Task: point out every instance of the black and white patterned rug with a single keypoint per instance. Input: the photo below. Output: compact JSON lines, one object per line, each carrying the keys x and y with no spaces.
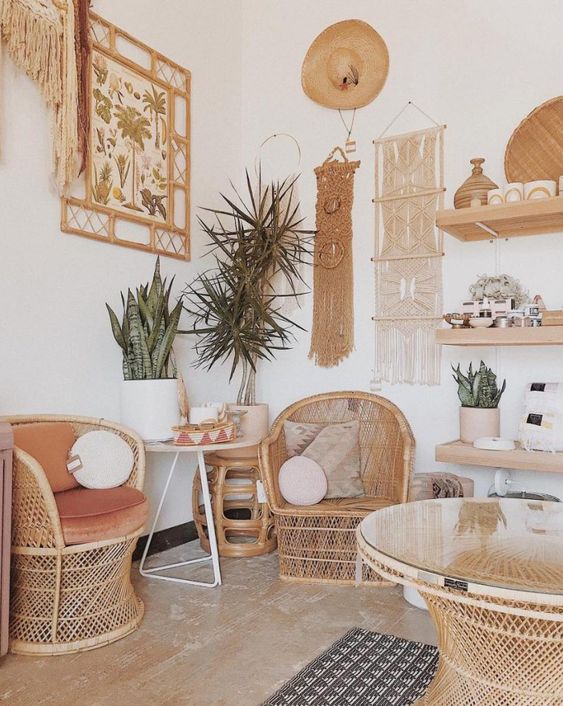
{"x":359,"y":669}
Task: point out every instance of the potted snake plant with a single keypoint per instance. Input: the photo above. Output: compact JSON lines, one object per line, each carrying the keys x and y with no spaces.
{"x":479,"y":394}
{"x":149,"y":394}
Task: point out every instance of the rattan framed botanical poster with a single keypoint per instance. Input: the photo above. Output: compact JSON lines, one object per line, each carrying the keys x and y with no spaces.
{"x":135,"y":190}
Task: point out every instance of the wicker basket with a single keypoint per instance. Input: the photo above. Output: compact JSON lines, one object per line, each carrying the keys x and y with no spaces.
{"x":67,"y":598}
{"x":535,"y":148}
{"x":204,"y":434}
{"x":317,"y":543}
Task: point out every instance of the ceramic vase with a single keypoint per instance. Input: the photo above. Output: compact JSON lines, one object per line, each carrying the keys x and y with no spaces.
{"x":254,"y":426}
{"x":475,"y":422}
{"x":150,"y":407}
{"x":476,"y":186}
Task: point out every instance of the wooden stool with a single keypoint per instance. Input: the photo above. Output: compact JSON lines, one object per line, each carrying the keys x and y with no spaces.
{"x":244,"y":526}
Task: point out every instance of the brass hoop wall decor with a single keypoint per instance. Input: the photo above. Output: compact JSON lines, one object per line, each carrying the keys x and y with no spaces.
{"x":332,"y":339}
{"x":136,"y":188}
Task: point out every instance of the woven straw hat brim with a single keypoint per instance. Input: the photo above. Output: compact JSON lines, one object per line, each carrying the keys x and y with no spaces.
{"x":360,"y":37}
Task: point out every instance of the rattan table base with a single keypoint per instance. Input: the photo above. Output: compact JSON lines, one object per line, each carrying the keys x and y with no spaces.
{"x":498,"y":645}
{"x":494,"y":659}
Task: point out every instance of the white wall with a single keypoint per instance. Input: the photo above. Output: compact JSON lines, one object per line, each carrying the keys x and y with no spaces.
{"x":477,"y":66}
{"x":58,"y":354}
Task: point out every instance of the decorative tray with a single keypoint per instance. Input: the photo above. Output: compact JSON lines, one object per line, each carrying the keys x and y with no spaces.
{"x":535,"y":149}
{"x":202,"y":434}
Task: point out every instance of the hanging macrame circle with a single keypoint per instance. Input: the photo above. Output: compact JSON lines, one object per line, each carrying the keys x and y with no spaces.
{"x":346,"y":66}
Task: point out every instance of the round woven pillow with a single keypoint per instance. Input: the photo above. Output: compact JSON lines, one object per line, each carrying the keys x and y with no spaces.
{"x":302,"y":481}
{"x":106,"y":460}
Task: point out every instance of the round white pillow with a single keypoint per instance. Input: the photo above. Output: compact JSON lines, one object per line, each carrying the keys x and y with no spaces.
{"x":106,"y":460}
{"x":302,"y":481}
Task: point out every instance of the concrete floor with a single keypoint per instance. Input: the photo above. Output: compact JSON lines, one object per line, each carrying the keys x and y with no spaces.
{"x":228,"y":646}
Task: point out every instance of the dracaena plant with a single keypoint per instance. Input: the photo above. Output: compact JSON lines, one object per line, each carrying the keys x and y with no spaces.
{"x":235,"y":308}
{"x":147,"y":330}
{"x":479,"y":388}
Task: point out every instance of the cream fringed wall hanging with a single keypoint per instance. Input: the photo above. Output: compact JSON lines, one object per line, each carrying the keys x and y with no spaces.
{"x":40,"y":38}
{"x":409,"y":187}
{"x":332,"y":338}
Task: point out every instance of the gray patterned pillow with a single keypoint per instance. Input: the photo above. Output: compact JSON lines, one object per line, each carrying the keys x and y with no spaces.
{"x":335,"y":447}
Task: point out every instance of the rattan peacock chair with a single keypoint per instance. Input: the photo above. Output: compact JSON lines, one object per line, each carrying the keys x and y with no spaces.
{"x":317,"y":543}
{"x":67,"y":598}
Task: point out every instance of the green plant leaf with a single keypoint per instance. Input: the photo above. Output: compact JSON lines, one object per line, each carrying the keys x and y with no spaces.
{"x":163,"y":351}
{"x":116,"y":329}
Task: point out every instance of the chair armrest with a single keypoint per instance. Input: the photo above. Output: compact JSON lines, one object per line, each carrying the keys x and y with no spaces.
{"x":272,"y":454}
{"x":35,"y":518}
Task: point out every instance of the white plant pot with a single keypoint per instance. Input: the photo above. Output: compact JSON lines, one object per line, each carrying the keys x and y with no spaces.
{"x":150,"y":407}
{"x":254,"y":426}
{"x":412,"y":596}
{"x":475,"y":422}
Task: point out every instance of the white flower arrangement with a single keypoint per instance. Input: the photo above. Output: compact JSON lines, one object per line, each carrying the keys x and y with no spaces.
{"x":499,"y":287}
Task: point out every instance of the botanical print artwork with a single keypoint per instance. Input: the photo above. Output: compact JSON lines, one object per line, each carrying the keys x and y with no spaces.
{"x":136,"y":187}
{"x":129,"y":141}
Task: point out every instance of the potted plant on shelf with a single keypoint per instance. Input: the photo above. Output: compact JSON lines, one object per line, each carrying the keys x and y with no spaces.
{"x":479,"y":395}
{"x":149,"y":395}
{"x":237,"y":306}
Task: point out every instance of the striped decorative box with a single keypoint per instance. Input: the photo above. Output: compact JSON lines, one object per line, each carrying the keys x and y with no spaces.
{"x":200,"y":435}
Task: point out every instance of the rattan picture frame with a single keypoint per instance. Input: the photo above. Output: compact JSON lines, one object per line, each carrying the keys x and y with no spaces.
{"x":135,"y":190}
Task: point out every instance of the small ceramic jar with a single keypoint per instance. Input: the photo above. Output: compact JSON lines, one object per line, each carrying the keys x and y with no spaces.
{"x":540,"y":189}
{"x":495,"y":197}
{"x":514,"y":191}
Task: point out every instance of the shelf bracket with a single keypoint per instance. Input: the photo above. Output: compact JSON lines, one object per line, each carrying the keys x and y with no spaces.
{"x":487,"y":229}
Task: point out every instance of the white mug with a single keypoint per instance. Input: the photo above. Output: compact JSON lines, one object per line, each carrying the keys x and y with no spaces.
{"x":540,"y":189}
{"x":200,"y":415}
{"x":495,"y":197}
{"x":561,"y":186}
{"x":514,"y":191}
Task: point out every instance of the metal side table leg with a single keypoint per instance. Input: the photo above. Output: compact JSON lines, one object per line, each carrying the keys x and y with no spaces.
{"x":209,"y":518}
{"x":214,"y":557}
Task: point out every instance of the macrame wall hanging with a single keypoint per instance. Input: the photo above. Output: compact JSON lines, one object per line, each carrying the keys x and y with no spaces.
{"x":43,"y":39}
{"x":409,"y":187}
{"x":332,"y":339}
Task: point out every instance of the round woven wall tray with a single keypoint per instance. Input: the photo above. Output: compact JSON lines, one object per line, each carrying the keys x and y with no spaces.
{"x":535,"y":149}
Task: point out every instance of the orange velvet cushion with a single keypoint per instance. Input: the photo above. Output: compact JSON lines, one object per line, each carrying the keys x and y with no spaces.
{"x":94,"y":515}
{"x":49,"y":444}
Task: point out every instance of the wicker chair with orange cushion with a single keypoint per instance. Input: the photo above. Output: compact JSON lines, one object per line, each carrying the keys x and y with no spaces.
{"x":71,"y":546}
{"x":317,"y":543}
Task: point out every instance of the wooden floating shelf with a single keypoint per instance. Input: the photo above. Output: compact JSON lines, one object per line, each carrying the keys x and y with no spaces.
{"x":507,"y":220}
{"x":514,"y":336}
{"x":519,"y":459}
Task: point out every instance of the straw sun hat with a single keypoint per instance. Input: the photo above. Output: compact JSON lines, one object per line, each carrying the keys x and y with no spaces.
{"x":346,"y":66}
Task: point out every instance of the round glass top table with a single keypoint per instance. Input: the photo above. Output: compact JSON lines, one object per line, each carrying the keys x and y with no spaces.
{"x":491,"y":573}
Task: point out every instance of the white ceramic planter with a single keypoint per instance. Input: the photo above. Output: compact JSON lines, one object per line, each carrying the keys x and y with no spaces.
{"x":255,"y":425}
{"x":475,"y":422}
{"x":412,"y":596}
{"x":150,"y":407}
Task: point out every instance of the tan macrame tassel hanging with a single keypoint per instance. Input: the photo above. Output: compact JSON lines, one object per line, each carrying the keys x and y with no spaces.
{"x":39,"y":36}
{"x":409,"y":187}
{"x":332,"y":339}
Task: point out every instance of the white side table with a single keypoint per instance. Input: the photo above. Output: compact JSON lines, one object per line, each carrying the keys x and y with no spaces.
{"x":199,"y":451}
